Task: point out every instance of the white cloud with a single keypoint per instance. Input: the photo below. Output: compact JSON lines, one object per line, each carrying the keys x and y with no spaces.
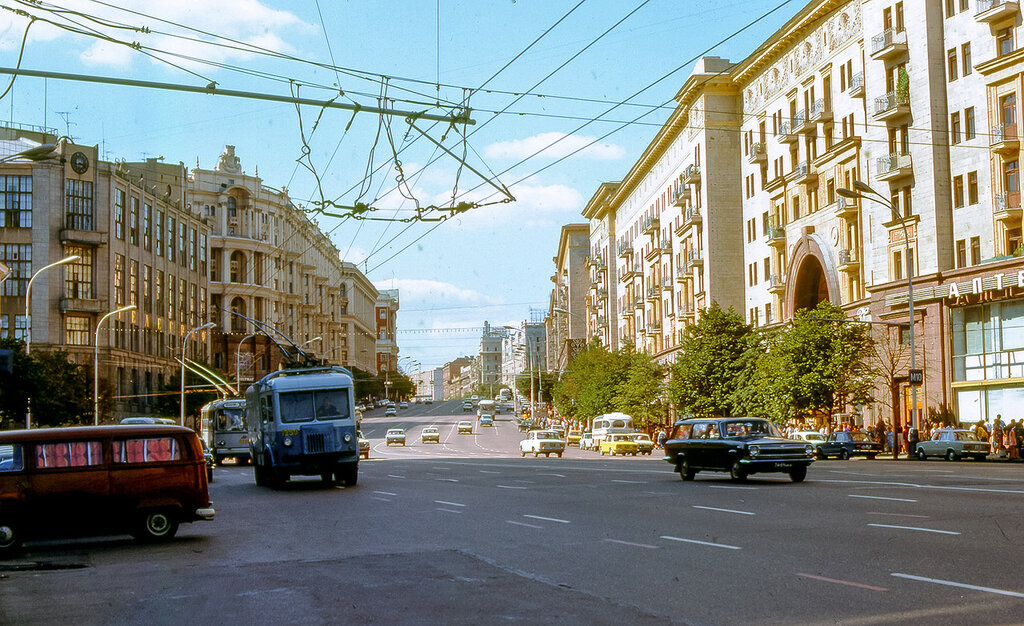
{"x":417,"y":290}
{"x":554,"y":145}
{"x":535,"y":206}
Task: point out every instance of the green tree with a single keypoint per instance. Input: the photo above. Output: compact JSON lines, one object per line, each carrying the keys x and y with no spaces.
{"x":38,"y":377}
{"x":17,"y":387}
{"x":712,"y":356}
{"x":640,"y":394}
{"x":592,"y":382}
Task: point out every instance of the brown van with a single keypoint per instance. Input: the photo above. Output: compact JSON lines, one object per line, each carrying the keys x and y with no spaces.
{"x":100,"y":480}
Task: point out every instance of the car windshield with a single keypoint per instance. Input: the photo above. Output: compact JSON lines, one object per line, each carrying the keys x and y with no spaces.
{"x":750,"y":428}
{"x":396,"y":432}
{"x":859,"y":437}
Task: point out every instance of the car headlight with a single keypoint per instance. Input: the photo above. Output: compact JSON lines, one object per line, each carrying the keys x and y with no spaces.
{"x":348,"y":437}
{"x":754,"y":450}
{"x":287,"y":442}
{"x":809,"y":450}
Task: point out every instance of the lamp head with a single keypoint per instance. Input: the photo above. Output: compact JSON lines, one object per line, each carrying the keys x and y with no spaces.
{"x":863,"y":187}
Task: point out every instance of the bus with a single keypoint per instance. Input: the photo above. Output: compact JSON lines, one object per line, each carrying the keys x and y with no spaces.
{"x":302,"y":422}
{"x":485,"y":407}
{"x":223,"y":428}
{"x":504,"y":395}
{"x":605,"y":425}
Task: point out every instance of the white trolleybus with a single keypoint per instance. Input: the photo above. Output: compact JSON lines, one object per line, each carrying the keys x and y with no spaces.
{"x":223,"y":424}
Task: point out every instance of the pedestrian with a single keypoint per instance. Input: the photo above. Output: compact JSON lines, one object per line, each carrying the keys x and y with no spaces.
{"x":1012,"y":442}
{"x":661,"y":438}
{"x":997,"y":435}
{"x":912,"y":439}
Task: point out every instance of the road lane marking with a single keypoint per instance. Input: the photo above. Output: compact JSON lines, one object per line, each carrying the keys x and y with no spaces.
{"x":924,"y":530}
{"x":711,"y":508}
{"x":630,"y":482}
{"x":447,"y":480}
{"x":882,"y":498}
{"x":523,"y":524}
{"x":548,"y":519}
{"x":731,"y":487}
{"x":489,"y":472}
{"x":448,"y":510}
{"x":547,"y":474}
{"x":630,"y":543}
{"x":509,"y":487}
{"x":950,"y":583}
{"x":919,"y":486}
{"x":701,"y":543}
{"x":898,"y":514}
{"x":386,"y":493}
{"x":842,"y":582}
{"x":448,"y":503}
{"x":393,"y":476}
{"x":853,"y":473}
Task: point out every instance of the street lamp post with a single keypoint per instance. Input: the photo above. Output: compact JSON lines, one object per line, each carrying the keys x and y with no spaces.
{"x":28,"y":297}
{"x":96,"y":363}
{"x":306,"y":343}
{"x":238,"y":369}
{"x":181,"y":419}
{"x":865,"y":192}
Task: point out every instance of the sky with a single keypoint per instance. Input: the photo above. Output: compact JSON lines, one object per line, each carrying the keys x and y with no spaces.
{"x":563,"y":95}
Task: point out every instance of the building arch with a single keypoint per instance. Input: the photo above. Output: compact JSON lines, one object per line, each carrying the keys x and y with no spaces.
{"x":812,"y":275}
{"x":237,"y":267}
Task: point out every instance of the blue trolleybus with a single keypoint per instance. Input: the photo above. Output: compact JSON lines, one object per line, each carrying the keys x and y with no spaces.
{"x":302,"y":422}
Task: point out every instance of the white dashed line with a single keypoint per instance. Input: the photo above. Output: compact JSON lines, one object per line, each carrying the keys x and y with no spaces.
{"x":448,"y":503}
{"x":898,"y":514}
{"x":548,"y":519}
{"x":701,"y":543}
{"x":555,"y":475}
{"x":447,"y":480}
{"x":924,"y":530}
{"x":630,"y":543}
{"x":509,"y":487}
{"x":882,"y":498}
{"x":731,"y":487}
{"x":378,"y":498}
{"x":523,"y":524}
{"x":488,"y":472}
{"x":393,"y":476}
{"x":386,"y":493}
{"x":950,"y":583}
{"x":448,"y":510}
{"x":711,"y":508}
{"x":630,"y":482}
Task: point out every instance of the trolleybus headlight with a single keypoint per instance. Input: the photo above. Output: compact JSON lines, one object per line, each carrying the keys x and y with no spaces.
{"x":287,"y":442}
{"x":348,"y":438}
{"x":754,"y":451}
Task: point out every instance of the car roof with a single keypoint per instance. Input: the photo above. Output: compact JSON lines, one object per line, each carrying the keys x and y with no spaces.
{"x":86,"y":432}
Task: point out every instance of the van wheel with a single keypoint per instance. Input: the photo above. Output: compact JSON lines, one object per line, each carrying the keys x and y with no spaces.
{"x":260,"y":474}
{"x":327,"y":478}
{"x":158,"y":525}
{"x":348,"y":476}
{"x":10,"y":538}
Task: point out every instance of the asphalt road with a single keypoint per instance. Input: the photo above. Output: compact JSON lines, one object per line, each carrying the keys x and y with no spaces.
{"x":467,"y":532}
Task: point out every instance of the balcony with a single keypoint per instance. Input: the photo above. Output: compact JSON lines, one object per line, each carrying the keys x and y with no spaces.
{"x":81,"y":305}
{"x":666,"y":283}
{"x":803,"y":175}
{"x":776,"y":283}
{"x":893,"y":167}
{"x":686,"y":310}
{"x":1003,"y":140}
{"x":776,"y":235}
{"x":889,"y":44}
{"x":892,"y":106}
{"x":848,"y":260}
{"x":625,"y":250}
{"x":638,"y":302}
{"x":802,"y":123}
{"x":653,"y":328}
{"x":856,"y":89}
{"x":785,"y":133}
{"x":691,"y":175}
{"x":683,"y":274}
{"x":653,"y":294}
{"x":631,"y":270}
{"x":88,"y":237}
{"x":693,"y":259}
{"x":682,"y":196}
{"x":602,"y":293}
{"x":650,"y":225}
{"x":652,"y":253}
{"x":992,"y":11}
{"x":627,"y":311}
{"x":666,"y":247}
{"x":819,"y":112}
{"x":847,"y":207}
{"x":1007,"y":207}
{"x":758,"y":153}
{"x":692,"y":217}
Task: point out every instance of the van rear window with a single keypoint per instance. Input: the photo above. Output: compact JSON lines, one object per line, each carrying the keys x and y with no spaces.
{"x":146,"y":450}
{"x":11,"y":458}
{"x":69,"y":454}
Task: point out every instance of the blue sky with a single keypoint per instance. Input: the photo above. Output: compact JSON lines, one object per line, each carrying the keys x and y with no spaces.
{"x":490,"y":263}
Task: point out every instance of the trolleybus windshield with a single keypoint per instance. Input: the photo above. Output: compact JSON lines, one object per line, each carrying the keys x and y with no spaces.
{"x":322,"y":404}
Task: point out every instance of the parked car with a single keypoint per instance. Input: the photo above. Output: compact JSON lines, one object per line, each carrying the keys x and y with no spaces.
{"x":844,"y":444}
{"x":586,"y":441}
{"x":546,"y":442}
{"x":811,"y":436}
{"x":619,"y":443}
{"x":100,"y":480}
{"x":430,"y":434}
{"x":572,"y":438}
{"x":395,"y":436}
{"x":364,"y":445}
{"x":465,"y":428}
{"x":953,"y":444}
{"x":739,"y":446}
{"x":644,"y":445}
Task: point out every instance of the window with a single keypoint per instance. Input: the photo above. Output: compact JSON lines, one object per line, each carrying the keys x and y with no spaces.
{"x":158,"y":290}
{"x":1004,"y":41}
{"x":78,"y":273}
{"x":951,"y":65}
{"x":119,"y":280}
{"x":897,"y":265}
{"x":958,"y":192}
{"x":69,"y":454}
{"x":972,"y":187}
{"x":969,"y":127}
{"x":76,"y":330}
{"x":133,"y":282}
{"x":133,"y":221}
{"x":158,"y":234}
{"x":148,"y":450}
{"x":954,"y":128}
{"x":767,"y":269}
{"x":119,"y":214}
{"x":11,"y":459}
{"x":147,"y":289}
{"x":232,"y":207}
{"x":975,"y":250}
{"x":18,"y":258}
{"x":170,"y":297}
{"x":78,"y":205}
{"x":15,"y":201}
{"x":961,"y":253}
{"x":965,"y":57}
{"x":170,"y":238}
{"x":181,"y":243}
{"x":192,"y":249}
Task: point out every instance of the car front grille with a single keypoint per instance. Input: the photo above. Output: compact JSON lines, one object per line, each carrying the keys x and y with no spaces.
{"x":315,"y":443}
{"x":782,"y":452}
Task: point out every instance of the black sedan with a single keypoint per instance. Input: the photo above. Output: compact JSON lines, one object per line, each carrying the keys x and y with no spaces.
{"x":739,"y":445}
{"x":846,"y":444}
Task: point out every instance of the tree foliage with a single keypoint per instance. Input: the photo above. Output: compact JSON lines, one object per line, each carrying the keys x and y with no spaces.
{"x":641,"y":394}
{"x":599,"y":381}
{"x":60,"y":390}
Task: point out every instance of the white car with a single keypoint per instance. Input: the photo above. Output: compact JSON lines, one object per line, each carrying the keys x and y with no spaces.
{"x":403,"y":405}
{"x":395,"y":436}
{"x":487,"y":420}
{"x":546,"y":442}
{"x":812,"y":437}
{"x":430,"y":433}
{"x":465,"y":428}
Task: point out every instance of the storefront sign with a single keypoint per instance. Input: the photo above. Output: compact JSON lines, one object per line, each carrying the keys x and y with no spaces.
{"x":998,"y":282}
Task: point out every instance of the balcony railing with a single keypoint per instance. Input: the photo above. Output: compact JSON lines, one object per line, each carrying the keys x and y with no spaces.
{"x":893,"y":166}
{"x":847,"y":257}
{"x":802,"y":173}
{"x":785,"y":132}
{"x":1007,"y":205}
{"x":994,"y":10}
{"x":892,"y":104}
{"x":801,"y":121}
{"x":888,"y":42}
{"x":1003,"y":139}
{"x":758,"y":152}
{"x":819,"y":113}
{"x":857,"y":84}
{"x":691,"y":174}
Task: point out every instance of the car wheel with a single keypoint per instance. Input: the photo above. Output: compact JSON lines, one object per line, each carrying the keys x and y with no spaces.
{"x":979,"y":457}
{"x":327,"y":477}
{"x":522,"y":453}
{"x":559,"y":455}
{"x":685,"y":471}
{"x":158,"y":525}
{"x":820,"y":454}
{"x":798,"y":474}
{"x":952,"y":456}
{"x":536,"y":454}
{"x":10,"y":538}
{"x":921,"y":456}
{"x":348,"y":476}
{"x":871,"y":457}
{"x":737,"y":473}
{"x":844,"y":455}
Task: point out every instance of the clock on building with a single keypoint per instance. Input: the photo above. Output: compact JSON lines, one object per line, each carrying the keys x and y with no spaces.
{"x":79,"y":162}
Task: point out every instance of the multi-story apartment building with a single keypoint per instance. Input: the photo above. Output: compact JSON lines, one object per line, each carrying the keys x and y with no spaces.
{"x":523,"y":351}
{"x":737,"y":198}
{"x":451,"y":376}
{"x":566,"y":320}
{"x":386,"y":321}
{"x":600,"y":306}
{"x":136,"y":243}
{"x":487,"y":370}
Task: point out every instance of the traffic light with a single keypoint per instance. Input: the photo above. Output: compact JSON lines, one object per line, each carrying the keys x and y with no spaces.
{"x":6,"y":361}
